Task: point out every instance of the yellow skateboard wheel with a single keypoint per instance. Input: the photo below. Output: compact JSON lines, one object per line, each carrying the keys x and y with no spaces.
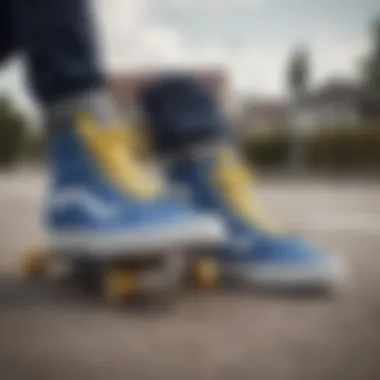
{"x":206,"y":273}
{"x":34,"y":264}
{"x":118,"y":285}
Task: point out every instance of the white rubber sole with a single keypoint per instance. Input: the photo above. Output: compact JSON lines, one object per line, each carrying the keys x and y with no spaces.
{"x":332,"y":275}
{"x":204,"y":232}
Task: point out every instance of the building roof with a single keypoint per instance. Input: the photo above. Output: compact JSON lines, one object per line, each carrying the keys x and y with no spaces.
{"x":335,"y":91}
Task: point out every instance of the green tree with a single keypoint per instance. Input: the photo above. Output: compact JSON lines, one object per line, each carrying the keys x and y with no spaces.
{"x":13,"y":127}
{"x":372,"y":62}
{"x":298,"y":72}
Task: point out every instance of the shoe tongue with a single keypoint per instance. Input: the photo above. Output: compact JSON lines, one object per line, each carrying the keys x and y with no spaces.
{"x":98,"y":105}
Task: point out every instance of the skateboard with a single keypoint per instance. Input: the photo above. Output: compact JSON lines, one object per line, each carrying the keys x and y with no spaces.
{"x":119,"y":278}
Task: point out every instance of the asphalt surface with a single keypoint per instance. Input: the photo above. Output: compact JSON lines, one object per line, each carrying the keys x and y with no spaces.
{"x":61,"y":332}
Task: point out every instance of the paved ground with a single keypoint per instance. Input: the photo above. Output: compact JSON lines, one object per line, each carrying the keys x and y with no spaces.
{"x":60,"y":333}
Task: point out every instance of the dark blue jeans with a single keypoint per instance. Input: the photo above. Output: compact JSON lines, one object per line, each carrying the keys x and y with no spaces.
{"x":57,"y":39}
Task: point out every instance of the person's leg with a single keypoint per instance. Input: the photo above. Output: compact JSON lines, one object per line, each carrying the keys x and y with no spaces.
{"x":190,"y":132}
{"x":59,"y":43}
{"x":101,"y":200}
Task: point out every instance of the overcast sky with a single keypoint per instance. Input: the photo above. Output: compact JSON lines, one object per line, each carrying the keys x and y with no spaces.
{"x":252,"y":39}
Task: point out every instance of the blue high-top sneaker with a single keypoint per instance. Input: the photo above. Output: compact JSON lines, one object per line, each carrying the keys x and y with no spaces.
{"x":102,"y":199}
{"x":191,"y":134}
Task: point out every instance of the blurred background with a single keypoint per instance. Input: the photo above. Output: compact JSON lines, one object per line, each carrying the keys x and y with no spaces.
{"x":300,"y":82}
